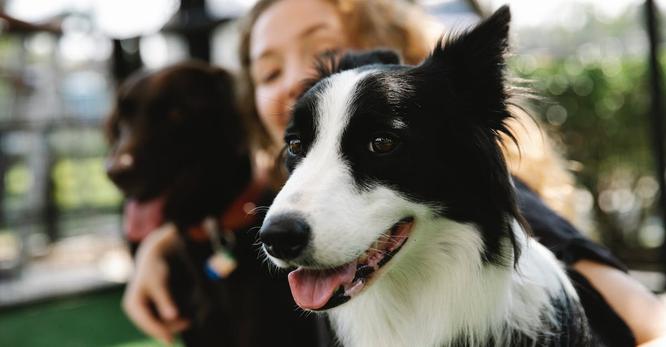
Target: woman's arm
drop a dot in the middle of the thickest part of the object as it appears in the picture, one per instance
(147, 301)
(642, 311)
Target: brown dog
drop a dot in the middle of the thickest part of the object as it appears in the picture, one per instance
(176, 139)
(176, 134)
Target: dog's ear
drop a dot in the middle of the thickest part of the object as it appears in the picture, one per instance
(471, 67)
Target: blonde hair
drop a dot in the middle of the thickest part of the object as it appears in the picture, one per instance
(403, 27)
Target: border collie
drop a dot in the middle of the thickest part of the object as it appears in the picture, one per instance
(399, 214)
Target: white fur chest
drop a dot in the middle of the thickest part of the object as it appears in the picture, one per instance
(438, 289)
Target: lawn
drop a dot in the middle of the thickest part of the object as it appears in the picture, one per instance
(93, 320)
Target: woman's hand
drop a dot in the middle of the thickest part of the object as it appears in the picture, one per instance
(147, 301)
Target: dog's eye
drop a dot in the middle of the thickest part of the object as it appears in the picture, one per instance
(382, 144)
(295, 147)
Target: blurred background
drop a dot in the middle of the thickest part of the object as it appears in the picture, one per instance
(63, 260)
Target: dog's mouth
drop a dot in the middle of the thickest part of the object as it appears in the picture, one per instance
(322, 289)
(135, 181)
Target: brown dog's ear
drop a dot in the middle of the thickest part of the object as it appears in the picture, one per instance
(223, 75)
(224, 78)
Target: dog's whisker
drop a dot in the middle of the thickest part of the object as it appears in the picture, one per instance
(259, 209)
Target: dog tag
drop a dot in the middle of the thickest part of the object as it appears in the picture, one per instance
(222, 263)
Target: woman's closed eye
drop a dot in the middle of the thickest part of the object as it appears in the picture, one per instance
(265, 70)
(269, 76)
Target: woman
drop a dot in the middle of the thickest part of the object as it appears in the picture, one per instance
(280, 40)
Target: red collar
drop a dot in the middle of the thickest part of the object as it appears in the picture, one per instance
(240, 213)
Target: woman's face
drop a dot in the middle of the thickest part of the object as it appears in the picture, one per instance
(285, 40)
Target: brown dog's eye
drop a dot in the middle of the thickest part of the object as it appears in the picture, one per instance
(382, 144)
(295, 147)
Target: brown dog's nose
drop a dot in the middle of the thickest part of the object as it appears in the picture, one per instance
(118, 166)
(285, 237)
(120, 162)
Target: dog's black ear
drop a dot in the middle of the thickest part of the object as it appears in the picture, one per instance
(471, 66)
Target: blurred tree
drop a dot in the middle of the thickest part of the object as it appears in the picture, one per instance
(598, 111)
(593, 74)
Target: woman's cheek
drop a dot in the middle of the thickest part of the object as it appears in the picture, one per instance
(260, 99)
(269, 113)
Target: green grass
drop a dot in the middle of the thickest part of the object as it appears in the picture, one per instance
(88, 321)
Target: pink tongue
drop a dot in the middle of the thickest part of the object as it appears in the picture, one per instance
(140, 218)
(312, 289)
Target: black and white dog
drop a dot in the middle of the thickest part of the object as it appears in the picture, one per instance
(400, 215)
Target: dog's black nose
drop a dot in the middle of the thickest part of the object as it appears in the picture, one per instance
(285, 237)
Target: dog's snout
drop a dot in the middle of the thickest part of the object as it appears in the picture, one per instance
(285, 237)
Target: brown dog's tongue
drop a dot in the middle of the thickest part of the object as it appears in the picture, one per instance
(312, 289)
(142, 218)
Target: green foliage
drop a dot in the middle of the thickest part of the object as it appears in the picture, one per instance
(600, 111)
(604, 120)
(91, 320)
